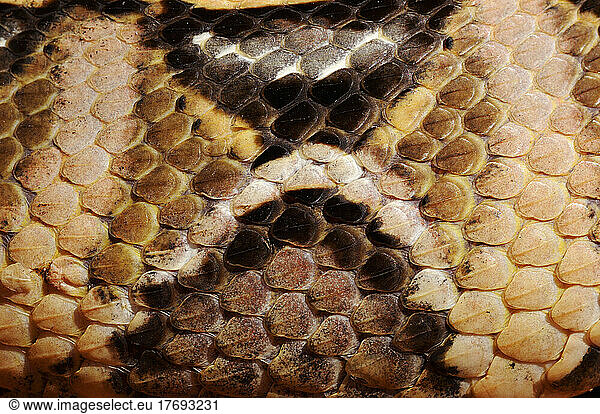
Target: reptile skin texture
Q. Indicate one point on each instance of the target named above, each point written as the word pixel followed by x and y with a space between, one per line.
pixel 350 198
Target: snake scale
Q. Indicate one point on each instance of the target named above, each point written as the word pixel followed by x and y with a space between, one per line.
pixel 349 198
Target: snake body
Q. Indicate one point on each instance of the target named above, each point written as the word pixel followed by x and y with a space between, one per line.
pixel 350 198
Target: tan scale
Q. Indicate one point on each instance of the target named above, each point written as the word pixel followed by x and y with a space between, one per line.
pixel 430 289
pixel 16 327
pixel 532 288
pixel 77 134
pixel 68 275
pixel 108 305
pixel 83 236
pixel 523 94
pixel 587 141
pixel 59 314
pixel 34 246
pixel 56 205
pixel 492 223
pixel 506 378
pixel 449 199
pixel 542 199
pixel 119 264
pixel 137 224
pixel 104 344
pixel 579 264
pixel 577 219
pixel 577 309
pixel 537 245
pixel 485 268
pixel 531 337
pixel 441 246
pixel 21 285
pixel 568 118
pixel 502 178
pixel 479 313
pixel 407 181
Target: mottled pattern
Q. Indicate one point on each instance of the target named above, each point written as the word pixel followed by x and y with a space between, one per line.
pixel 354 198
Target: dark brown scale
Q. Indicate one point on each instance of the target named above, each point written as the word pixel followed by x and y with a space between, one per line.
pixel 207 15
pixel 421 332
pixel 184 80
pixel 328 137
pixel 339 210
pixel 255 113
pixel 29 67
pixel 283 91
pixel 282 20
pixel 147 329
pixel 335 336
pixel 378 365
pixel 239 91
pixel 33 96
pixel 123 7
pixel 583 377
pixel 417 47
pixel 204 272
pixel 291 318
pixel 297 226
pixel 387 79
pixel 378 314
pixel 384 272
pixel 153 375
pixel 190 349
pixel 351 114
pixel 273 152
pixel 263 214
pixel 135 162
pixel 219 179
pixel 180 30
pixel 26 42
pixel 299 370
pixel 236 378
pixel 246 294
pixel 183 58
pixel 308 196
pixel 37 130
pixel 353 388
pixel 330 89
pixel 155 290
pixel 155 105
pixel 187 155
pixel 341 248
pixel 294 124
pixel 248 250
pixel 169 9
pixel 377 10
pixel 291 269
pixel 166 133
pixel 371 54
pixel 438 19
pixel 10 152
pixel 331 15
pixel 334 292
pixel 424 6
pixel 233 25
pixel 245 337
pixel 198 313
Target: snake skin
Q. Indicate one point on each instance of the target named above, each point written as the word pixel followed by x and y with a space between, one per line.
pixel 351 198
